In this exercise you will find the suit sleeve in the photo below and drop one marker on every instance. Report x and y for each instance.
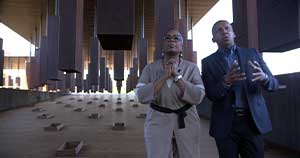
(194, 90)
(145, 87)
(214, 87)
(272, 83)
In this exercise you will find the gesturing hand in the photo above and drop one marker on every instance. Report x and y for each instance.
(234, 74)
(258, 74)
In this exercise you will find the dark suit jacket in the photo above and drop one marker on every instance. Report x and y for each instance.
(214, 67)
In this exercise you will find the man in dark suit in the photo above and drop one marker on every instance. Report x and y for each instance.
(234, 78)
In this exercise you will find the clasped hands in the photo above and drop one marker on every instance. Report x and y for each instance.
(171, 68)
(234, 74)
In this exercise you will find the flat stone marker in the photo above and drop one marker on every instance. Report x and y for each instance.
(119, 109)
(80, 109)
(89, 102)
(79, 100)
(131, 100)
(38, 109)
(141, 115)
(118, 126)
(54, 127)
(118, 102)
(95, 116)
(45, 116)
(102, 105)
(105, 100)
(119, 99)
(68, 106)
(135, 105)
(71, 148)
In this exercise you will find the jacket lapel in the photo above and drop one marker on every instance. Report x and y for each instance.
(221, 63)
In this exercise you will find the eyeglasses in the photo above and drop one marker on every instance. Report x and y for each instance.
(176, 38)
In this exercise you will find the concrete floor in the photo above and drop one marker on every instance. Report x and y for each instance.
(22, 134)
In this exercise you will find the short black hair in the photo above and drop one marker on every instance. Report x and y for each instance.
(216, 23)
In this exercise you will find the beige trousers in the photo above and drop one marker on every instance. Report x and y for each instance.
(159, 128)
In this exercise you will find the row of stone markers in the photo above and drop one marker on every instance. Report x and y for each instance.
(114, 104)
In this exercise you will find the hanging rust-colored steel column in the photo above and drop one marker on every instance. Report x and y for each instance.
(43, 61)
(70, 35)
(102, 74)
(115, 24)
(1, 62)
(164, 21)
(94, 65)
(53, 72)
(119, 68)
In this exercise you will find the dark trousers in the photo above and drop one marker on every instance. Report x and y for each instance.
(243, 140)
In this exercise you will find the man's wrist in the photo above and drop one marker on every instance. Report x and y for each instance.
(227, 85)
(266, 80)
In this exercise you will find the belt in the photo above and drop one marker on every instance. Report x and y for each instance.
(241, 112)
(181, 112)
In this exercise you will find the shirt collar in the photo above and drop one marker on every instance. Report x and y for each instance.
(227, 52)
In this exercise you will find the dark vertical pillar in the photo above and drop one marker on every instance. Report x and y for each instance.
(1, 44)
(1, 62)
(88, 75)
(128, 83)
(79, 81)
(143, 54)
(107, 78)
(134, 72)
(70, 82)
(10, 81)
(51, 85)
(182, 29)
(53, 39)
(240, 22)
(119, 68)
(34, 70)
(164, 21)
(279, 24)
(94, 65)
(79, 75)
(29, 75)
(115, 24)
(43, 61)
(133, 79)
(245, 23)
(70, 35)
(189, 50)
(194, 59)
(37, 69)
(18, 81)
(27, 70)
(86, 84)
(252, 24)
(61, 85)
(110, 84)
(102, 74)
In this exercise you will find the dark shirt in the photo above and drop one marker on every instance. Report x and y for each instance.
(239, 88)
